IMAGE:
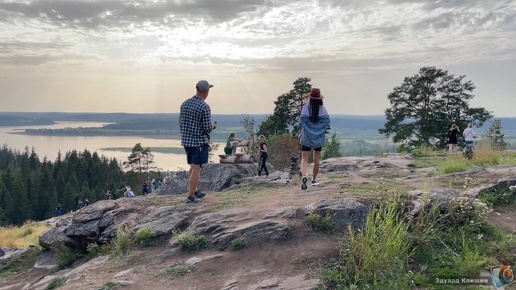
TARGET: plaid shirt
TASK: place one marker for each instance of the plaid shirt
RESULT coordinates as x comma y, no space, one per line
195,122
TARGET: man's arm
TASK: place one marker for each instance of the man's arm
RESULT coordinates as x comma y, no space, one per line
206,125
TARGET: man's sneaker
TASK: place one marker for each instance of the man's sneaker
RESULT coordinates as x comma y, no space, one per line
199,194
304,180
314,183
191,199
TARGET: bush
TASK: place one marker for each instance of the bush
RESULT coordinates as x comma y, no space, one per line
121,244
281,148
56,282
377,255
322,224
65,256
239,243
177,270
145,237
424,151
191,242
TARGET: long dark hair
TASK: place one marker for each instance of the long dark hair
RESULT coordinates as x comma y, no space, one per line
313,109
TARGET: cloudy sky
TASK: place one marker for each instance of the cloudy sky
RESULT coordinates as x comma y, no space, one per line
146,55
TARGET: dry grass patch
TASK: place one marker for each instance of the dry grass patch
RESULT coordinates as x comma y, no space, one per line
22,237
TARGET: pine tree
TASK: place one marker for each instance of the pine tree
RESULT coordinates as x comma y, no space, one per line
332,148
495,136
21,204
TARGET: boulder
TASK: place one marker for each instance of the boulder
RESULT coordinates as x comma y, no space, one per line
162,221
90,222
54,238
176,186
343,211
224,227
216,177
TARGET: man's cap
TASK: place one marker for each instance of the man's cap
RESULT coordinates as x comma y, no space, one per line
203,85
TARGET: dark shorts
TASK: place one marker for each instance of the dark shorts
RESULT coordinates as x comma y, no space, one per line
304,148
197,155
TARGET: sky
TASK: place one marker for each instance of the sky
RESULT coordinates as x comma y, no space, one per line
145,56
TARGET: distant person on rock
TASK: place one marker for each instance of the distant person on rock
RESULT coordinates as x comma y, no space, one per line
153,184
145,189
175,175
453,139
58,209
86,202
469,137
167,177
108,194
195,127
80,204
263,157
314,122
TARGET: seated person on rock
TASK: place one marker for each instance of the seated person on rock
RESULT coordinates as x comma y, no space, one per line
233,142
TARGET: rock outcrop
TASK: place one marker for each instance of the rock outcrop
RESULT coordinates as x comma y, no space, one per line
214,177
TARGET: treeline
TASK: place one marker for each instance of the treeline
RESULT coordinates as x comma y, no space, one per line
30,188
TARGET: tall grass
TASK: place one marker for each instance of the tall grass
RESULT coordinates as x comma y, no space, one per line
21,237
377,255
484,155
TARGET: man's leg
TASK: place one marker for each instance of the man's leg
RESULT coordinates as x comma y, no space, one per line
194,176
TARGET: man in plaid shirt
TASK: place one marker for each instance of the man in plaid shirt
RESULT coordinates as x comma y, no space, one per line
195,127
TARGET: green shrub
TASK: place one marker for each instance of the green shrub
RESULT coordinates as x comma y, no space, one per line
121,244
377,255
191,242
65,257
145,237
55,283
424,151
497,197
177,270
318,223
239,243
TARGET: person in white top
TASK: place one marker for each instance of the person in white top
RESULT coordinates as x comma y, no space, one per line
469,136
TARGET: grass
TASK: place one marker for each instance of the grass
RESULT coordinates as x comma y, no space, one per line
121,244
177,270
376,255
397,251
321,224
145,237
65,257
239,243
191,242
484,155
55,283
21,237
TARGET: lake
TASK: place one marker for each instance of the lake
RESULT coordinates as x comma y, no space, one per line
49,146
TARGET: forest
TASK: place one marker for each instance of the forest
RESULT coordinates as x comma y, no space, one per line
31,188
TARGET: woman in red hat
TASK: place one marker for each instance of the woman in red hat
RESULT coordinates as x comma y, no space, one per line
314,123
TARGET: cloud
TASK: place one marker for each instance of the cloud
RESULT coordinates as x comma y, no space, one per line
260,33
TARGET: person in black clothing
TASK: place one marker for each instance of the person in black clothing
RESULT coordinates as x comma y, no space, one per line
145,189
452,139
86,202
263,156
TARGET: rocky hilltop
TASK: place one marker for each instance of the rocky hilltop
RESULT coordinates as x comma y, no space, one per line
255,227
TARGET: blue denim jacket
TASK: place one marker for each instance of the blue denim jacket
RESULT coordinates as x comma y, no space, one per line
313,134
